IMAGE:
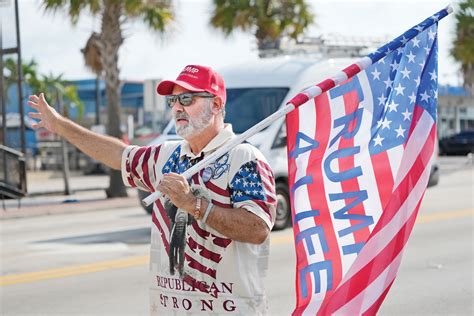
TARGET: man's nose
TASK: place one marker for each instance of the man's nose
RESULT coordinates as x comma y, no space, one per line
177,107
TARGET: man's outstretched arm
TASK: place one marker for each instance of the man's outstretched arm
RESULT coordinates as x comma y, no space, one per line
105,149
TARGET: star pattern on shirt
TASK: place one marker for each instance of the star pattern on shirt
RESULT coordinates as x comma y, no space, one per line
247,184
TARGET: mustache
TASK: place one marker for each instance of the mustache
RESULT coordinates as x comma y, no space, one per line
180,115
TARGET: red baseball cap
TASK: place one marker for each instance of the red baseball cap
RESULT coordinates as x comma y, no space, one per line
196,78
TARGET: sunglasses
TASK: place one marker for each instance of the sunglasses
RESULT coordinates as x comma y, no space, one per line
186,98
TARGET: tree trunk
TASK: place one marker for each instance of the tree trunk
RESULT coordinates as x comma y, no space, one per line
468,72
268,47
111,40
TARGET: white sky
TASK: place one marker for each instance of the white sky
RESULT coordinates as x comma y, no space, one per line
55,43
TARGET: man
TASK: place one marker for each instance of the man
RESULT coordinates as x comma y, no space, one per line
209,243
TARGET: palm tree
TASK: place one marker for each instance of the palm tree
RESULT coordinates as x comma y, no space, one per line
29,71
268,20
463,46
113,13
58,91
50,84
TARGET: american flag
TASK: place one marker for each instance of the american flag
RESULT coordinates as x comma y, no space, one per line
359,160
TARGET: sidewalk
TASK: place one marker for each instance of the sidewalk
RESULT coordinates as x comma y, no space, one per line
46,196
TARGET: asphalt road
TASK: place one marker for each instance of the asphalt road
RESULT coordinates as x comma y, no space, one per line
96,263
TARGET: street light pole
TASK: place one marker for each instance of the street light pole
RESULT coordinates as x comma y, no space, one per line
20,81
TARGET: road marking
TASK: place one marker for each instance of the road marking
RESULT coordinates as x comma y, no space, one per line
143,260
73,270
422,219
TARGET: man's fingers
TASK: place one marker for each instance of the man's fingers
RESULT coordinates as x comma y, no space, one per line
37,125
175,176
33,97
33,104
34,115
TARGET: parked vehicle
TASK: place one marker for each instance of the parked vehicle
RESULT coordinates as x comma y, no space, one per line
257,90
458,144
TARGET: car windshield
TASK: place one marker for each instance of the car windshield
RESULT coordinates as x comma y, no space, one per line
247,106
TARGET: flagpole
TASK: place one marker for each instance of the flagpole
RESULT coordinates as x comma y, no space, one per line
313,92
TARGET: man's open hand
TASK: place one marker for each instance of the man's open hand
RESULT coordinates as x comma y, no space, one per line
177,189
47,116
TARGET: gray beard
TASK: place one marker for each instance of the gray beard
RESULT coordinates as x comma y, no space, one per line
195,126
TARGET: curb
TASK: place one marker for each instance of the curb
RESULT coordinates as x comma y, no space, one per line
69,207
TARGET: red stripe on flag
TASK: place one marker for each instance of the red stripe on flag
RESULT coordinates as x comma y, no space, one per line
370,272
351,104
268,188
146,176
316,190
417,114
214,188
383,176
216,240
264,166
135,160
221,242
163,214
201,232
292,128
402,191
202,251
271,199
192,263
263,205
162,233
155,158
224,205
375,307
359,282
130,181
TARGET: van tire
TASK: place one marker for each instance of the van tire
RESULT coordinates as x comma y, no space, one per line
283,211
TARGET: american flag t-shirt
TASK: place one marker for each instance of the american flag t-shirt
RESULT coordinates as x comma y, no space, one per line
200,270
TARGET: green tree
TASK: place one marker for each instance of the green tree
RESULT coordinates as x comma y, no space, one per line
268,20
10,73
113,14
463,45
50,84
59,90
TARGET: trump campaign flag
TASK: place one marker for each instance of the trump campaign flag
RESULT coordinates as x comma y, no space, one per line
359,160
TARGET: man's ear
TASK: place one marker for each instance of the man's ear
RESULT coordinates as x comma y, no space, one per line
216,105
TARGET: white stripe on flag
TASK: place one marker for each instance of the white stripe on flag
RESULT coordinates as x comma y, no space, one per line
365,299
414,145
367,181
302,201
395,156
337,110
380,240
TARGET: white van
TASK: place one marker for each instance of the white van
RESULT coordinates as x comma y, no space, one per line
256,90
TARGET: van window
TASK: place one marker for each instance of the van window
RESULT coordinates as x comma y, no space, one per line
247,106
